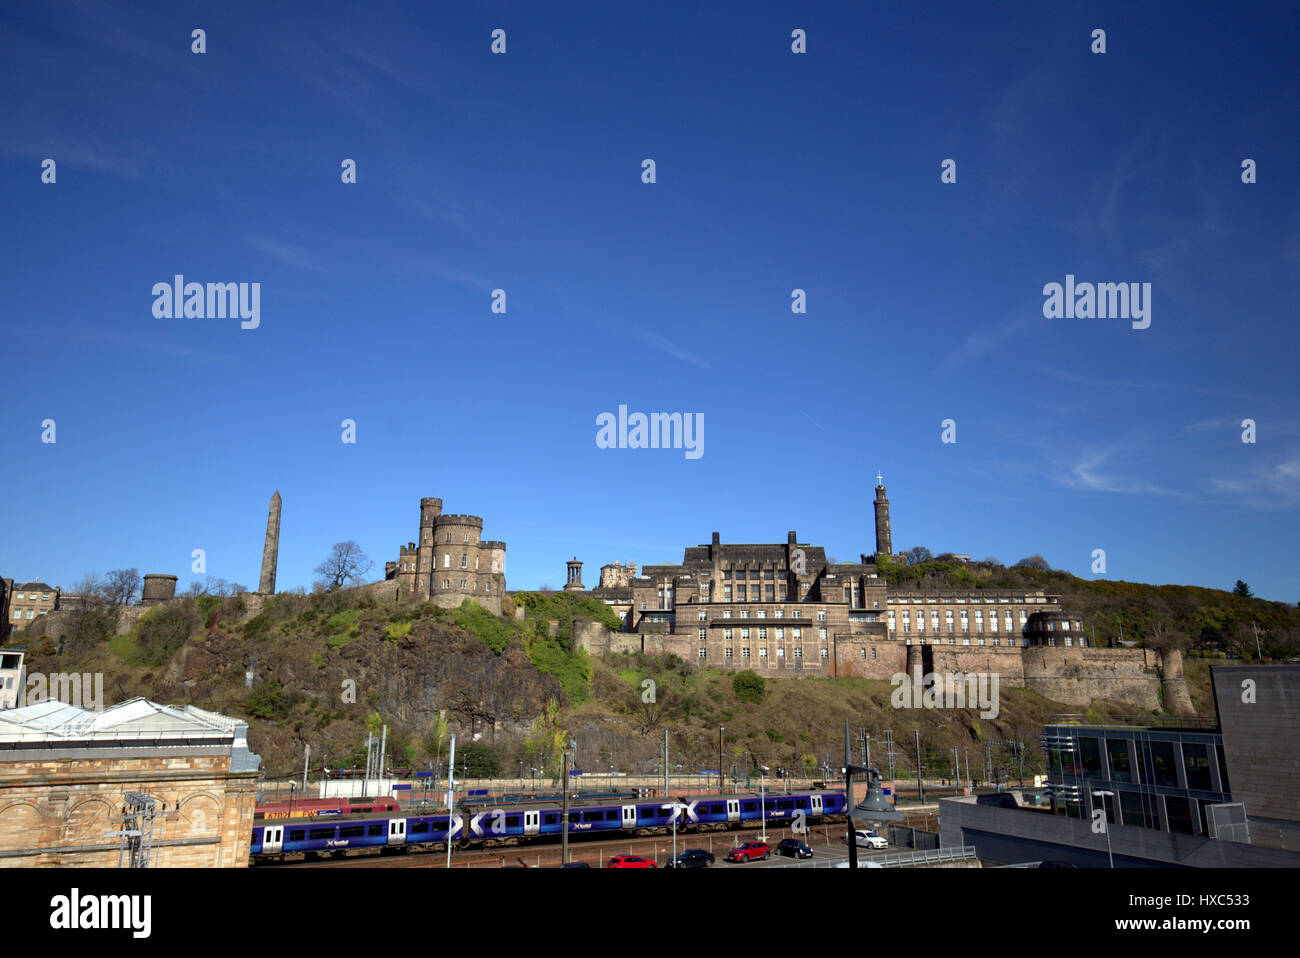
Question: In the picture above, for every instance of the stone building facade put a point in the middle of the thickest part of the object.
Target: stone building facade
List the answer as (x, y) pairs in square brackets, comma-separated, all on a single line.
[(785, 608), (451, 561), (65, 773), (25, 601)]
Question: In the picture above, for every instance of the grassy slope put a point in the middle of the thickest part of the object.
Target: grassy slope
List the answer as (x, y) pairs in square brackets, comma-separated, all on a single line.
[(409, 662)]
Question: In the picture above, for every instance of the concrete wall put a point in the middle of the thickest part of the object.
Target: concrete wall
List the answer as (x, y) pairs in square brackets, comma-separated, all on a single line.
[(1261, 742)]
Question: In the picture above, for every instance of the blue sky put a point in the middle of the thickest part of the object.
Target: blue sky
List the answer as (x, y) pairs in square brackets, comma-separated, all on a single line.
[(775, 171)]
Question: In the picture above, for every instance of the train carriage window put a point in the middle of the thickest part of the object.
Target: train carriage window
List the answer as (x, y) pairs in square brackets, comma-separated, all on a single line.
[(750, 806), (419, 828), (512, 821), (611, 815), (573, 817), (592, 817), (296, 834), (376, 829), (316, 834), (801, 803), (552, 819), (716, 809), (366, 809), (352, 831), (785, 803)]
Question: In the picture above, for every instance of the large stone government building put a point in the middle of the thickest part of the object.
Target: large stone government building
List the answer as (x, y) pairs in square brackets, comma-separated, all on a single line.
[(785, 607)]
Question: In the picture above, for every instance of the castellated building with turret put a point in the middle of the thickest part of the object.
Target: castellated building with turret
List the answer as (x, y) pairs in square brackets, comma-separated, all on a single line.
[(450, 562)]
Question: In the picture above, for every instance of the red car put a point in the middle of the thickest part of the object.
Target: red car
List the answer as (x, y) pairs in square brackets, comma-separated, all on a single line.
[(749, 851), (630, 861)]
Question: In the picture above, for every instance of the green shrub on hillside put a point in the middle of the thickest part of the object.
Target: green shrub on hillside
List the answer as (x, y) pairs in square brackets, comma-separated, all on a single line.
[(494, 632), (342, 638), (565, 606), (749, 686), (342, 620), (268, 701), (162, 632), (571, 669), (205, 605)]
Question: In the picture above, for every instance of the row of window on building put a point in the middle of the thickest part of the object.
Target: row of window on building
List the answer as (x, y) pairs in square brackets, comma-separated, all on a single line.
[(906, 619), (446, 562), (795, 633), (468, 586), (796, 653)]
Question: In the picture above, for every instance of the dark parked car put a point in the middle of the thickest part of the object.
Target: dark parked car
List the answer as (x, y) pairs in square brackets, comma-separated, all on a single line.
[(575, 865), (794, 848), (691, 858)]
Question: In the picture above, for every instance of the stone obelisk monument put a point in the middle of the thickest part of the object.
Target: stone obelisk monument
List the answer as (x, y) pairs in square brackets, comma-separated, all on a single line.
[(271, 551)]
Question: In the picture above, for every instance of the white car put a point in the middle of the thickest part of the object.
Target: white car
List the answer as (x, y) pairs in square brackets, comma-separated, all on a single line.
[(868, 839)]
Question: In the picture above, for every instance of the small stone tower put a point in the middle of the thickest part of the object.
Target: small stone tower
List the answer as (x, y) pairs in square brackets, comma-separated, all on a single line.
[(884, 543), (158, 588), (271, 550), (430, 510), (574, 582)]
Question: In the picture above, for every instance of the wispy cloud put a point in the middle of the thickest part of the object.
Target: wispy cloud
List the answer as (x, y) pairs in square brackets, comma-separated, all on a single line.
[(1272, 486), (161, 345), (286, 253), (1089, 475), (669, 347), (78, 153), (1164, 386), (984, 340)]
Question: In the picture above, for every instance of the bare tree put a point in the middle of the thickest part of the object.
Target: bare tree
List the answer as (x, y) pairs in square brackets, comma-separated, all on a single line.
[(212, 585), (345, 565), (1035, 562), (917, 555), (121, 586), (92, 618), (1164, 637)]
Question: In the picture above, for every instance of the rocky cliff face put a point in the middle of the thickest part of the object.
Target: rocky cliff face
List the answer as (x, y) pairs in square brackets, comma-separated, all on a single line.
[(436, 669)]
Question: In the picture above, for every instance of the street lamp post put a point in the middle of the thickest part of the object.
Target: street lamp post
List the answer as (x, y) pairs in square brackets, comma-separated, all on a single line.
[(762, 797), (451, 797), (873, 808), (564, 833), (1106, 812), (722, 787)]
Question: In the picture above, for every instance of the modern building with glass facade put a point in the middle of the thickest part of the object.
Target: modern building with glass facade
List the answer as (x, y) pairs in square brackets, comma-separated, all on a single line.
[(1157, 778), (1192, 793)]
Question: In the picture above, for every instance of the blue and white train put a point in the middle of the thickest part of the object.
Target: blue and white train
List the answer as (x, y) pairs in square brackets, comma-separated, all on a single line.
[(487, 825)]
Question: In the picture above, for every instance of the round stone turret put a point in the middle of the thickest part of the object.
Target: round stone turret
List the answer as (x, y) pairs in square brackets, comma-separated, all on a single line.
[(158, 587)]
